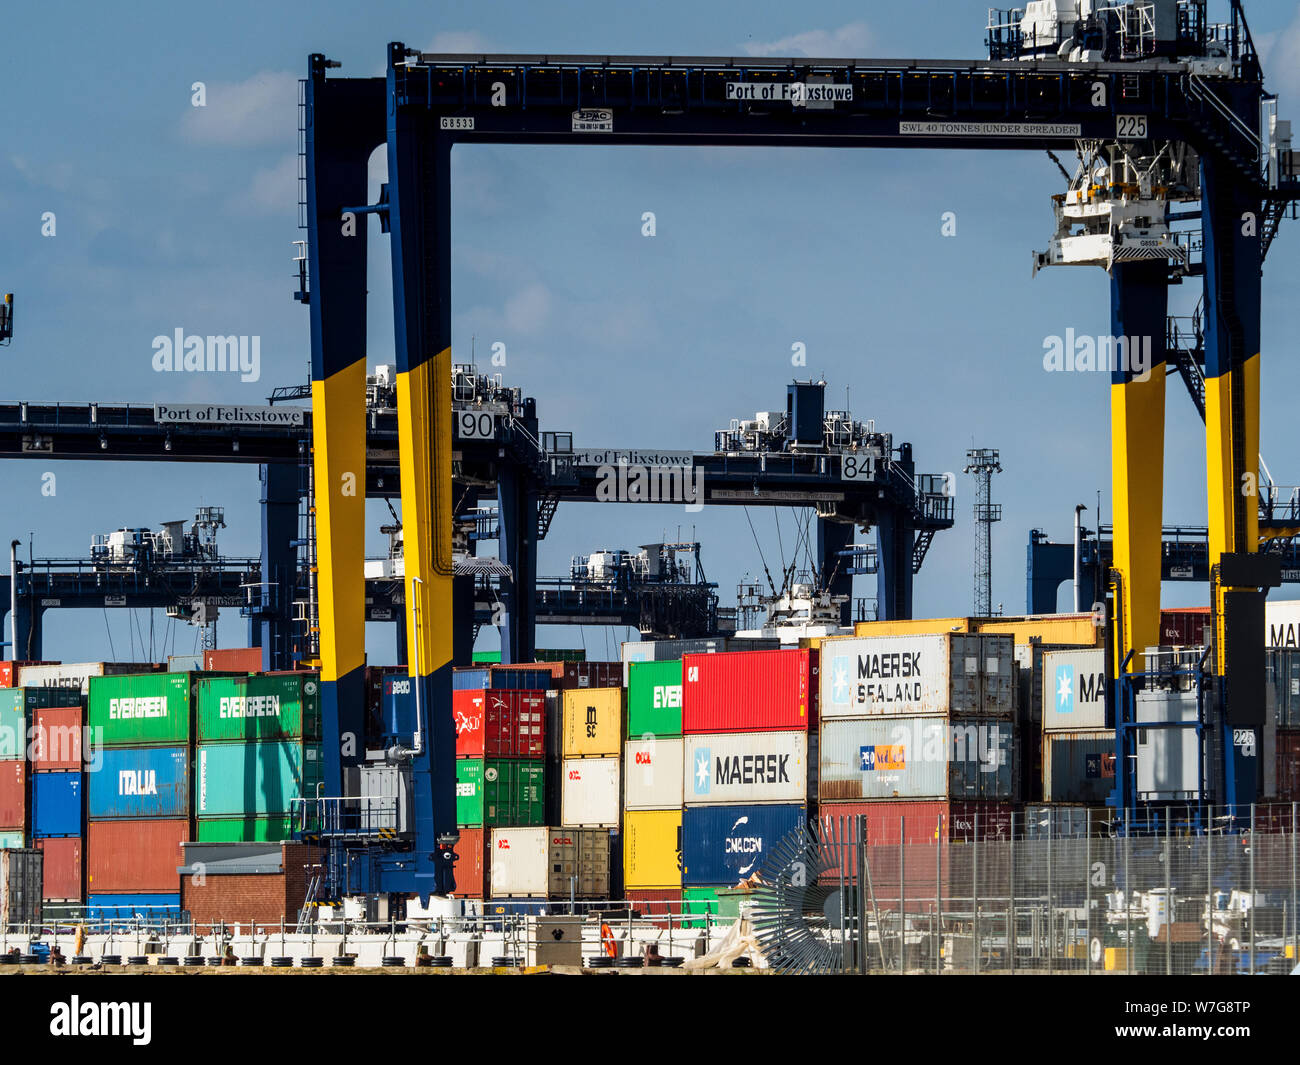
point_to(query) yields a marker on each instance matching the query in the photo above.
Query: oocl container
(746, 767)
(134, 857)
(916, 758)
(593, 722)
(654, 699)
(140, 782)
(500, 791)
(13, 794)
(64, 874)
(726, 844)
(652, 849)
(549, 863)
(237, 709)
(1074, 690)
(254, 779)
(652, 774)
(139, 710)
(590, 792)
(58, 803)
(749, 691)
(1078, 766)
(57, 743)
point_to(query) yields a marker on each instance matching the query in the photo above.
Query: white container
(636, 651)
(589, 793)
(652, 774)
(540, 863)
(1282, 623)
(1168, 759)
(75, 674)
(1074, 690)
(744, 768)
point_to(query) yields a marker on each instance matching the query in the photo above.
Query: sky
(168, 216)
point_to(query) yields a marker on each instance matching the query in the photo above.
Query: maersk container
(57, 742)
(593, 722)
(244, 829)
(1078, 766)
(1074, 690)
(58, 803)
(652, 774)
(64, 873)
(125, 857)
(917, 758)
(652, 849)
(590, 792)
(951, 675)
(500, 792)
(76, 675)
(747, 767)
(544, 862)
(13, 794)
(726, 844)
(749, 691)
(654, 699)
(21, 873)
(243, 709)
(140, 782)
(144, 709)
(162, 906)
(254, 779)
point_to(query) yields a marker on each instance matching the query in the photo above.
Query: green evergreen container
(248, 780)
(243, 709)
(499, 792)
(245, 829)
(654, 698)
(143, 709)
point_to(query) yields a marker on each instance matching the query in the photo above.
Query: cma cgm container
(282, 706)
(1078, 766)
(652, 849)
(654, 699)
(593, 722)
(13, 795)
(57, 742)
(749, 691)
(953, 675)
(254, 779)
(546, 862)
(652, 774)
(76, 675)
(726, 844)
(140, 782)
(58, 803)
(64, 873)
(500, 791)
(917, 758)
(133, 857)
(1074, 690)
(139, 710)
(747, 767)
(590, 792)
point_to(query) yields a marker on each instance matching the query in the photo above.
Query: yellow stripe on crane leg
(1137, 423)
(424, 440)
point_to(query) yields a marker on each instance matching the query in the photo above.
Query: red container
(234, 660)
(1186, 627)
(467, 713)
(13, 794)
(924, 822)
(9, 671)
(471, 864)
(63, 869)
(657, 904)
(749, 691)
(134, 857)
(58, 739)
(499, 723)
(1288, 765)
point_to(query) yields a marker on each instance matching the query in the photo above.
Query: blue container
(468, 678)
(133, 907)
(726, 844)
(152, 782)
(58, 802)
(521, 679)
(397, 708)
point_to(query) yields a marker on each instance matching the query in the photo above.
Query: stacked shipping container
(59, 797)
(1078, 748)
(652, 782)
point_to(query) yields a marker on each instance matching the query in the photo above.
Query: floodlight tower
(983, 463)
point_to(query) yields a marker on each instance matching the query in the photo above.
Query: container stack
(139, 800)
(1078, 748)
(76, 674)
(258, 751)
(58, 797)
(18, 708)
(653, 796)
(749, 776)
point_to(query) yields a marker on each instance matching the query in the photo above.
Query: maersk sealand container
(722, 845)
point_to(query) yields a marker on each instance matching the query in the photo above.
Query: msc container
(917, 758)
(76, 675)
(17, 716)
(471, 864)
(746, 768)
(244, 829)
(1288, 765)
(140, 782)
(500, 792)
(1078, 766)
(13, 794)
(124, 906)
(652, 849)
(1077, 630)
(57, 742)
(63, 869)
(951, 674)
(145, 709)
(58, 803)
(654, 699)
(550, 863)
(891, 823)
(138, 856)
(283, 706)
(1074, 690)
(254, 779)
(590, 792)
(234, 659)
(21, 873)
(749, 691)
(726, 844)
(652, 774)
(593, 722)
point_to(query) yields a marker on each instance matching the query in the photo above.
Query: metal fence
(1168, 901)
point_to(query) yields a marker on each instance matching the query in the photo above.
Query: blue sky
(170, 216)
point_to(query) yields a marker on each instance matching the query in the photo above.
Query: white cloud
(273, 190)
(459, 41)
(849, 41)
(528, 309)
(259, 110)
(1280, 54)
